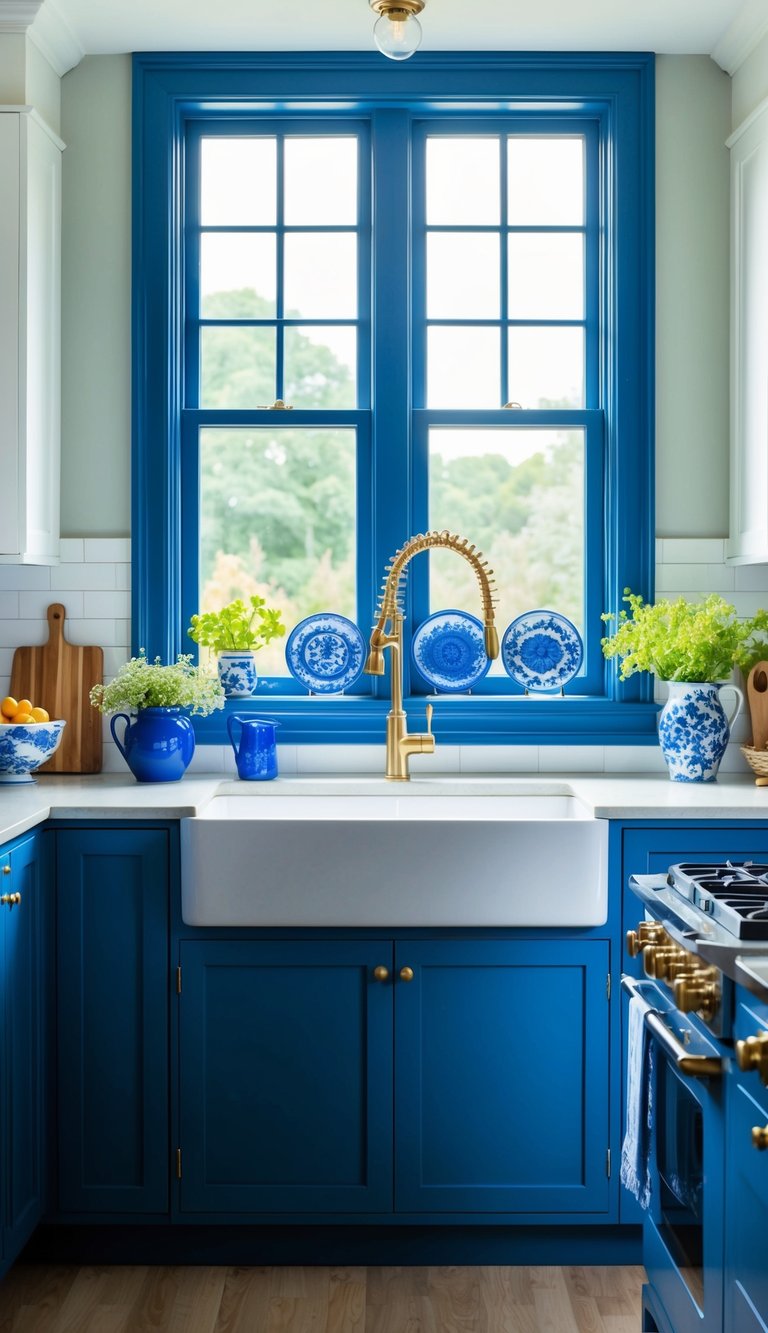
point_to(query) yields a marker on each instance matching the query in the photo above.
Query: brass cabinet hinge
(178, 1163)
(608, 1162)
(608, 987)
(178, 981)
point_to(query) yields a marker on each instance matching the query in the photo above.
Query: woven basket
(757, 760)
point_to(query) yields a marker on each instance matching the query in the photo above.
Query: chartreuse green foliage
(238, 627)
(681, 640)
(144, 684)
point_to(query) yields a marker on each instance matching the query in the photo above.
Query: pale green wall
(693, 122)
(96, 298)
(693, 109)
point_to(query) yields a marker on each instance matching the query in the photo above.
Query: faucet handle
(430, 711)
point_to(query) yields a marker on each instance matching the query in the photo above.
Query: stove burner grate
(735, 894)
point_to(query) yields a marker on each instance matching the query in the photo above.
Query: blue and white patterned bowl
(25, 746)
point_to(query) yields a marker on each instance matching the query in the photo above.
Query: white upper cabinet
(748, 543)
(30, 338)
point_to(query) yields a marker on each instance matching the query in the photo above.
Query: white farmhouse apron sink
(343, 853)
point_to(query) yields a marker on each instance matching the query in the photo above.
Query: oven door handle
(697, 1066)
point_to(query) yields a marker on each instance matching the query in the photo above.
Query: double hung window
(406, 308)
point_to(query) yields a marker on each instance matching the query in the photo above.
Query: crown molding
(55, 39)
(741, 36)
(18, 15)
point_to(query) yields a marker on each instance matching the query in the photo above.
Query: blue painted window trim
(171, 92)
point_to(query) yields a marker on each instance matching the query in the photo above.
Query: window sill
(490, 720)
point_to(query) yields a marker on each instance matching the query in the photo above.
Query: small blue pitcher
(256, 755)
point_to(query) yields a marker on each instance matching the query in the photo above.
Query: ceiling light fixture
(397, 31)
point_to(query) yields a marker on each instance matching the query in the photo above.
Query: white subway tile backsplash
(634, 759)
(9, 606)
(694, 578)
(20, 633)
(691, 551)
(111, 759)
(16, 577)
(499, 759)
(102, 549)
(83, 576)
(571, 758)
(34, 605)
(115, 603)
(751, 578)
(6, 662)
(89, 631)
(71, 550)
(123, 576)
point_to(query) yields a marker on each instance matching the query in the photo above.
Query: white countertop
(620, 796)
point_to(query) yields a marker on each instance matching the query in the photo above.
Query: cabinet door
(113, 996)
(285, 1077)
(26, 972)
(746, 1192)
(501, 1077)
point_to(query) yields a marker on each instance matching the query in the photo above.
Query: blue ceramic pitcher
(256, 755)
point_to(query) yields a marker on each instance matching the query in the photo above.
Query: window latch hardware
(279, 405)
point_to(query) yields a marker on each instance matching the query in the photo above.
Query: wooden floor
(38, 1299)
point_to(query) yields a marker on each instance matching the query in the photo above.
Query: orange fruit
(9, 706)
(23, 706)
(40, 715)
(23, 718)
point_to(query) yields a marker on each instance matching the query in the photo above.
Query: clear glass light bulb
(397, 37)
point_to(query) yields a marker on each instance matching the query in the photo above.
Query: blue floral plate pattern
(541, 650)
(448, 650)
(325, 653)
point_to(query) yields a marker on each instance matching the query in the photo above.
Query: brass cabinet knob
(6, 870)
(10, 899)
(753, 1054)
(760, 1137)
(381, 973)
(406, 974)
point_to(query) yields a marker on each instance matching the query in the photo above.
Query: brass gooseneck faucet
(388, 633)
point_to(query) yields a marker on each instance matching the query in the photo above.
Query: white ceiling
(725, 29)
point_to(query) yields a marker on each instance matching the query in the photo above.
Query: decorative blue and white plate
(541, 650)
(326, 653)
(448, 650)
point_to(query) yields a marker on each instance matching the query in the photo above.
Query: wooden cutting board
(757, 702)
(58, 676)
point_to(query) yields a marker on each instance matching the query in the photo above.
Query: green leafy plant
(239, 627)
(144, 684)
(691, 641)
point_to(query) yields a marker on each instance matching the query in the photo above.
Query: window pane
(463, 368)
(463, 181)
(321, 367)
(546, 182)
(237, 367)
(238, 182)
(546, 275)
(519, 496)
(320, 181)
(462, 275)
(237, 275)
(277, 517)
(321, 275)
(546, 367)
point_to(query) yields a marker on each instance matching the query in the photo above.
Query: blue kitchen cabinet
(113, 995)
(24, 1018)
(498, 1088)
(746, 1189)
(285, 1077)
(501, 1077)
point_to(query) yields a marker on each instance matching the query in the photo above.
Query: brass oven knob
(760, 1137)
(648, 932)
(753, 1054)
(659, 958)
(10, 899)
(381, 973)
(697, 993)
(406, 974)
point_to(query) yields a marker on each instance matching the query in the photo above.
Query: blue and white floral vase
(238, 674)
(694, 729)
